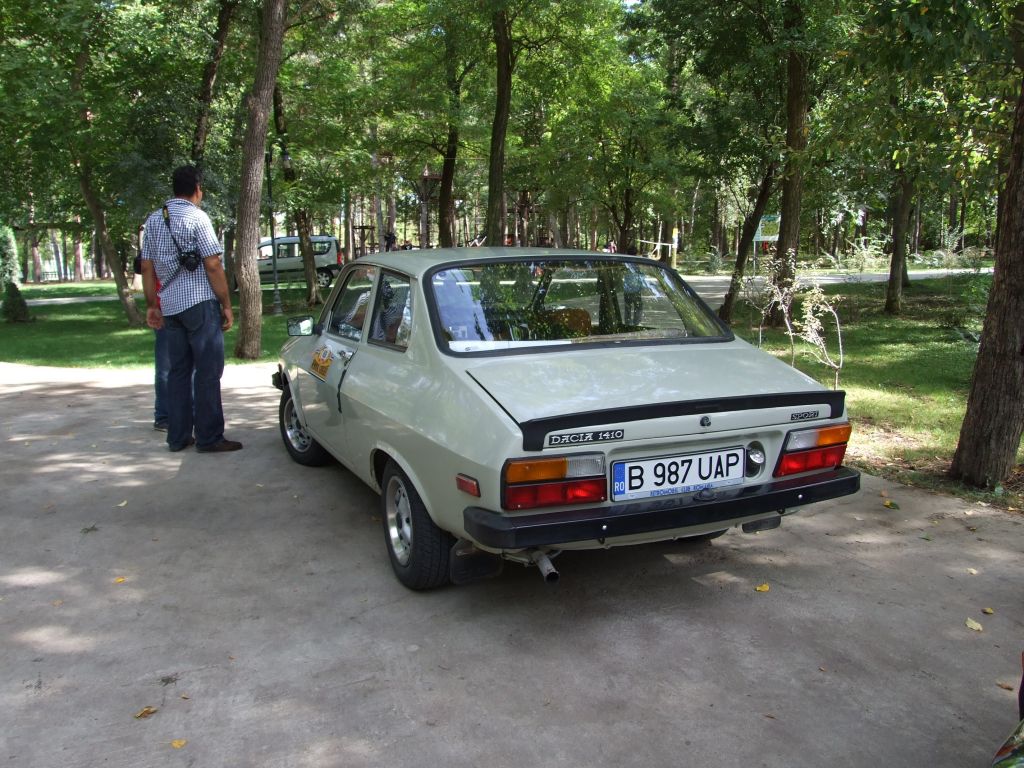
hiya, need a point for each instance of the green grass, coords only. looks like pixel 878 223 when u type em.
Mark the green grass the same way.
pixel 95 334
pixel 30 291
pixel 906 378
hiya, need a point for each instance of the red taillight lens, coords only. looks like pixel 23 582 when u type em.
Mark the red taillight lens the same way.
pixel 807 450
pixel 554 481
pixel 807 461
pixel 556 494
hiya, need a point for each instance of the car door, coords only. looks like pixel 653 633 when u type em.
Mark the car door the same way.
pixel 380 381
pixel 323 374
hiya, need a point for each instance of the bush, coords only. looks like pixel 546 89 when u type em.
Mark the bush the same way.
pixel 15 308
pixel 9 269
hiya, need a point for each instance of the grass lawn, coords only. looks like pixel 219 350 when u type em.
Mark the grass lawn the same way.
pixel 30 291
pixel 906 378
pixel 94 334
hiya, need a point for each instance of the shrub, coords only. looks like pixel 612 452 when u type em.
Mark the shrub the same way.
pixel 15 308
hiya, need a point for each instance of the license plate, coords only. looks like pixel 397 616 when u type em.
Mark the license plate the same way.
pixel 671 475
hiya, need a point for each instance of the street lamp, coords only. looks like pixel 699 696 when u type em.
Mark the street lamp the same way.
pixel 276 310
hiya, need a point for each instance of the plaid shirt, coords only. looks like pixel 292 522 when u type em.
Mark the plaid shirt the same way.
pixel 180 289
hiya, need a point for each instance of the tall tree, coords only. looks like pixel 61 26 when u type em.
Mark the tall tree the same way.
pixel 258 105
pixel 990 436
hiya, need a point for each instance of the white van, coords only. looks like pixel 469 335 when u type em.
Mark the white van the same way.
pixel 326 253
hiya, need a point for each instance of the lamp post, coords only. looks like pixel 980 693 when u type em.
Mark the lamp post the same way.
pixel 276 310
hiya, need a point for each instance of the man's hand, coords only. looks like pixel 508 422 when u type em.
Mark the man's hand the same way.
pixel 227 318
pixel 154 318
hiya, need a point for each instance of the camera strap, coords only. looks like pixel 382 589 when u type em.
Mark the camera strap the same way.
pixel 167 221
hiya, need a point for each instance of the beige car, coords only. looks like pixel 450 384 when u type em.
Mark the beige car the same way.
pixel 512 403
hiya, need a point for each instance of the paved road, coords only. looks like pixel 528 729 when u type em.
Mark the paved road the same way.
pixel 249 600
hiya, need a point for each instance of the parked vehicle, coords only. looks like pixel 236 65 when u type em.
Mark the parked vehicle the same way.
pixel 511 403
pixel 326 254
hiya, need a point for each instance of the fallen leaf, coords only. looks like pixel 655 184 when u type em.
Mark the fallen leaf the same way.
pixel 1005 686
pixel 890 504
pixel 179 743
pixel 123 503
pixel 988 611
pixel 972 571
pixel 120 580
pixel 972 528
pixel 770 717
pixel 57 603
pixel 762 587
pixel 259 485
pixel 185 697
pixel 90 529
pixel 883 494
pixel 822 669
pixel 926 537
pixel 145 712
pixel 972 624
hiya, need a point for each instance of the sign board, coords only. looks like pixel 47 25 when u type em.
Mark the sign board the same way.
pixel 768 229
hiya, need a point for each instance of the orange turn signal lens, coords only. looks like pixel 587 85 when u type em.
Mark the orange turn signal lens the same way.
pixel 536 470
pixel 819 437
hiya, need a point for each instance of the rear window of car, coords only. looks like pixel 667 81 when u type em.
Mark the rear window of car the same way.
pixel 524 304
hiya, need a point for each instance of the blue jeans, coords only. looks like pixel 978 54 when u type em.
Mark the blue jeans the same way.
pixel 195 344
pixel 162 363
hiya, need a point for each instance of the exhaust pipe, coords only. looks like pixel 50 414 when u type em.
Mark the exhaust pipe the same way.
pixel 543 562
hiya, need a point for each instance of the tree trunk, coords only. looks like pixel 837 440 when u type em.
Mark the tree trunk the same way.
pixel 303 220
pixel 764 193
pixel 495 226
pixel 903 190
pixel 220 38
pixel 250 297
pixel 79 272
pixel 991 431
pixel 99 217
pixel 349 233
pixel 446 196
pixel 796 143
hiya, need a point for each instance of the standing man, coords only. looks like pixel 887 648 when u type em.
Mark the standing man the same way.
pixel 194 310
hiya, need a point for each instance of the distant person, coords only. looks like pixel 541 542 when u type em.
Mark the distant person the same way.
pixel 611 247
pixel 406 246
pixel 193 306
pixel 389 241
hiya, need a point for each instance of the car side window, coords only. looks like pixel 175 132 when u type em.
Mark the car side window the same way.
pixel 392 311
pixel 348 314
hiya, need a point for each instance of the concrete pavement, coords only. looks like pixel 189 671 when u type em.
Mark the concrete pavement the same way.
pixel 250 602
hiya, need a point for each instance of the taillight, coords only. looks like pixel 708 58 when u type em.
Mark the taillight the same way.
pixel 553 482
pixel 807 450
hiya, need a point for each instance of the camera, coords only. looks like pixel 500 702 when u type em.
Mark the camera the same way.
pixel 190 260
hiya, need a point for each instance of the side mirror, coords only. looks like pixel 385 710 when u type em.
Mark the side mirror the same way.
pixel 300 326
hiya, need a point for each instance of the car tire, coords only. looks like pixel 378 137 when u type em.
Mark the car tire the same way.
pixel 704 537
pixel 418 549
pixel 324 277
pixel 300 444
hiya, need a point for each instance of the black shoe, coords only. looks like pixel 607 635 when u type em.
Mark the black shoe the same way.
pixel 222 447
pixel 160 426
pixel 186 444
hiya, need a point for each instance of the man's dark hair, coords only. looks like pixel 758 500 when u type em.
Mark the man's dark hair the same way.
pixel 186 180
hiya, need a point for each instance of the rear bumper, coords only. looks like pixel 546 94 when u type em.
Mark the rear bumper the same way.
pixel 552 528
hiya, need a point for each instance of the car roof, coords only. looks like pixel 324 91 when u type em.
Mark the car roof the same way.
pixel 416 263
pixel 293 239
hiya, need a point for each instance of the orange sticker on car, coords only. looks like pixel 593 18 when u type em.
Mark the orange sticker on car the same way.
pixel 322 359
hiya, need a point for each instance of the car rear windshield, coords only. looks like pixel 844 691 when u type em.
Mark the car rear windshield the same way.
pixel 521 304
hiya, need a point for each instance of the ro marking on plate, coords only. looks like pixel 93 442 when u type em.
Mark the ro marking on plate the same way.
pixel 676 474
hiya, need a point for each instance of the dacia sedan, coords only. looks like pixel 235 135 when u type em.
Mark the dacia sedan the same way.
pixel 509 404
